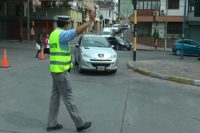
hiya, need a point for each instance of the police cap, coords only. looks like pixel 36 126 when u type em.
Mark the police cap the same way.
pixel 66 19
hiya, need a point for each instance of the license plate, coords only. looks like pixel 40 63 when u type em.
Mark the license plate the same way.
pixel 101 68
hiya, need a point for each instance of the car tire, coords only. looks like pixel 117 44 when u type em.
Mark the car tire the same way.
pixel 178 52
pixel 117 47
pixel 113 71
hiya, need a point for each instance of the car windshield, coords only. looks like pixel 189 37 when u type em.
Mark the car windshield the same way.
pixel 95 42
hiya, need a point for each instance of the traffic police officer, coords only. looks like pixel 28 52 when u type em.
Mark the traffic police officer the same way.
pixel 60 64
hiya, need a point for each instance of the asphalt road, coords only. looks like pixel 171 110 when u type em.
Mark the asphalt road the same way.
pixel 125 102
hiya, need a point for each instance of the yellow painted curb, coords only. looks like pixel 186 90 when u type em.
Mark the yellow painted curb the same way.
pixel 181 80
pixel 141 70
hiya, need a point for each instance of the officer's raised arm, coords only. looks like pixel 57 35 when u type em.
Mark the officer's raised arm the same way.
pixel 84 26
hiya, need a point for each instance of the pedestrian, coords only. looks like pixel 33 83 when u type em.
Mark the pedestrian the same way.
pixel 32 33
pixel 39 41
pixel 46 45
pixel 60 63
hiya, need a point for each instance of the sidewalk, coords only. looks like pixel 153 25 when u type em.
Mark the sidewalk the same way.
pixel 184 71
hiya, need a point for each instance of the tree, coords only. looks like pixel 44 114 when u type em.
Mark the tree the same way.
pixel 156 34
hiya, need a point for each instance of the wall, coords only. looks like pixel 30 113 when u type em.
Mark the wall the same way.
pixel 177 12
pixel 161 28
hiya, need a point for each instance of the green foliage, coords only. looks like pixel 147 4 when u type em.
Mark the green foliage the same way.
pixel 65 4
pixel 156 34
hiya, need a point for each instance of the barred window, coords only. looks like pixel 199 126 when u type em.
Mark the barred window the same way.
pixel 173 4
pixel 197 9
pixel 174 28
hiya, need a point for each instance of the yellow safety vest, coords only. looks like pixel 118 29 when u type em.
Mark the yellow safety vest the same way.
pixel 60 60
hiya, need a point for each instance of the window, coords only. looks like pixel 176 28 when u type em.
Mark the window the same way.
pixel 149 5
pixel 145 5
pixel 155 5
pixel 173 4
pixel 140 5
pixel 174 28
pixel 193 43
pixel 197 9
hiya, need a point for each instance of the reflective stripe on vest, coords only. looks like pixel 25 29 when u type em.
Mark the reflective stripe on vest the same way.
pixel 60 60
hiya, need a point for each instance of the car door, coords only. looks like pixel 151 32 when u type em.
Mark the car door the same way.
pixel 194 47
pixel 187 47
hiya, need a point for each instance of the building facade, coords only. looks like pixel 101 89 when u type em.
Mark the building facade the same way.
pixel 107 12
pixel 166 15
pixel 35 16
pixel 194 19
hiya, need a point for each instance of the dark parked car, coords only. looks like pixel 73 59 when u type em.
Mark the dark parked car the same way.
pixel 189 47
pixel 119 43
pixel 125 26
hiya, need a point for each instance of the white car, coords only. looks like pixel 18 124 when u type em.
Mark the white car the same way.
pixel 94 53
pixel 107 32
pixel 116 28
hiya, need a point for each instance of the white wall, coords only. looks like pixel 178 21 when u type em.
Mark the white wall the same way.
pixel 105 13
pixel 170 12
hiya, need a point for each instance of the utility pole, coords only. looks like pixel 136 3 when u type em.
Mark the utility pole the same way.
pixel 28 21
pixel 165 47
pixel 118 9
pixel 156 32
pixel 183 29
pixel 134 2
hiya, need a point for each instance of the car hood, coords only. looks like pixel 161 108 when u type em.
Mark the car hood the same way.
pixel 98 52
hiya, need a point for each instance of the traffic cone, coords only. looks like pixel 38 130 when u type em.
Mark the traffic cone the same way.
pixel 4 60
pixel 42 55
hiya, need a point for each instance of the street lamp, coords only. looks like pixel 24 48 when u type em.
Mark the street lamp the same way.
pixel 134 2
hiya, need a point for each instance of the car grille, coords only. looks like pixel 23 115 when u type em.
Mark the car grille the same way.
pixel 100 64
pixel 98 60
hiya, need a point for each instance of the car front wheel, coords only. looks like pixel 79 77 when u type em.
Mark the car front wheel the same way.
pixel 117 47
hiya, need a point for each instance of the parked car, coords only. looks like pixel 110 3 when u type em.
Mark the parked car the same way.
pixel 189 47
pixel 116 28
pixel 119 43
pixel 94 52
pixel 125 26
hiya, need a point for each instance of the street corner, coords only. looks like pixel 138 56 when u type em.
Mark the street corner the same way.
pixel 135 67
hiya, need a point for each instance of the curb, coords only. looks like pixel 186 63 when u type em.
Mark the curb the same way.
pixel 177 79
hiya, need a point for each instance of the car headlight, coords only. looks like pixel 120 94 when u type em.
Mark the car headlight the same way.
pixel 113 56
pixel 84 55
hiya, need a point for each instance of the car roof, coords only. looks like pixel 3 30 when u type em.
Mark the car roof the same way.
pixel 186 39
